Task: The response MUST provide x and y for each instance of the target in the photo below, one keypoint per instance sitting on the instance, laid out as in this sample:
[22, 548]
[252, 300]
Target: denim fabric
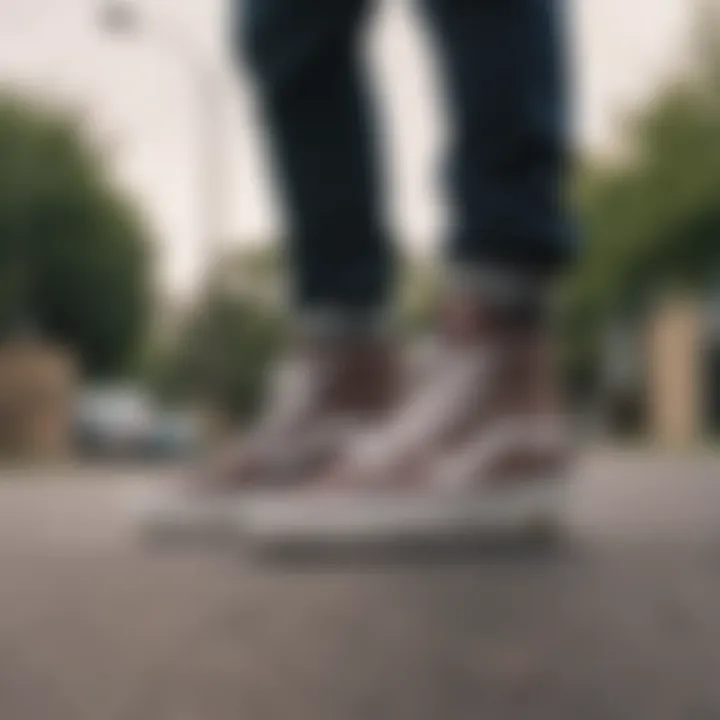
[503, 74]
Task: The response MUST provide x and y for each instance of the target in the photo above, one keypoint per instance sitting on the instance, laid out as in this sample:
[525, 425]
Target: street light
[124, 18]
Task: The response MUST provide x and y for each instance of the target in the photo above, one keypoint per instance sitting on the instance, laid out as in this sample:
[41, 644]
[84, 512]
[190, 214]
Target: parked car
[124, 422]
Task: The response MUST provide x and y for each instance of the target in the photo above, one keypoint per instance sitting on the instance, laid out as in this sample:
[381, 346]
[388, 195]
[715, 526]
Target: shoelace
[453, 388]
[468, 465]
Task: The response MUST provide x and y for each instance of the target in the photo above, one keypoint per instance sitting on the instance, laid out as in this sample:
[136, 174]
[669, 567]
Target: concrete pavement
[624, 624]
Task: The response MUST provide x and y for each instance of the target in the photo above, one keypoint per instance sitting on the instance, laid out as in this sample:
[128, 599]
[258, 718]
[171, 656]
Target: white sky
[139, 101]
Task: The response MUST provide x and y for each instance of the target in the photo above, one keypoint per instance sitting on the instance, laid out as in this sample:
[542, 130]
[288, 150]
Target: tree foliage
[74, 258]
[220, 354]
[652, 221]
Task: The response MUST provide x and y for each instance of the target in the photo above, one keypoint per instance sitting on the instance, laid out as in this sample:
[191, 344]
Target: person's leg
[338, 371]
[305, 56]
[491, 408]
[482, 430]
[504, 76]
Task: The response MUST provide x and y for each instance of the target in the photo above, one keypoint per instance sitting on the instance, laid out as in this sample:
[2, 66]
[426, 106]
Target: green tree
[652, 221]
[224, 342]
[74, 256]
[220, 354]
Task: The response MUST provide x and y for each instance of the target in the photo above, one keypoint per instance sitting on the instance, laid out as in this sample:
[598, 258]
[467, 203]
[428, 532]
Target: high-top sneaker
[479, 446]
[323, 392]
[329, 387]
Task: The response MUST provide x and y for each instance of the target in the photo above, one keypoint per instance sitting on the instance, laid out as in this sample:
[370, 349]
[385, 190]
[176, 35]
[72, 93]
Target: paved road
[625, 623]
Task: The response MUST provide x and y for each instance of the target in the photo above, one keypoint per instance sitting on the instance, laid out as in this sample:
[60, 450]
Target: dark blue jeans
[503, 71]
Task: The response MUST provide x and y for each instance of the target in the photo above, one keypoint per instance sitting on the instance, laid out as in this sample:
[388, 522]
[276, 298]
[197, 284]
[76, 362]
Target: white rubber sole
[293, 519]
[168, 515]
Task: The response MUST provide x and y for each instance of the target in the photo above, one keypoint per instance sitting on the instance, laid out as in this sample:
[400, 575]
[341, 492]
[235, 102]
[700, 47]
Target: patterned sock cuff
[339, 323]
[524, 295]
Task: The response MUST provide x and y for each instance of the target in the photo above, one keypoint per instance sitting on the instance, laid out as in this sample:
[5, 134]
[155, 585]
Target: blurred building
[661, 371]
[37, 391]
